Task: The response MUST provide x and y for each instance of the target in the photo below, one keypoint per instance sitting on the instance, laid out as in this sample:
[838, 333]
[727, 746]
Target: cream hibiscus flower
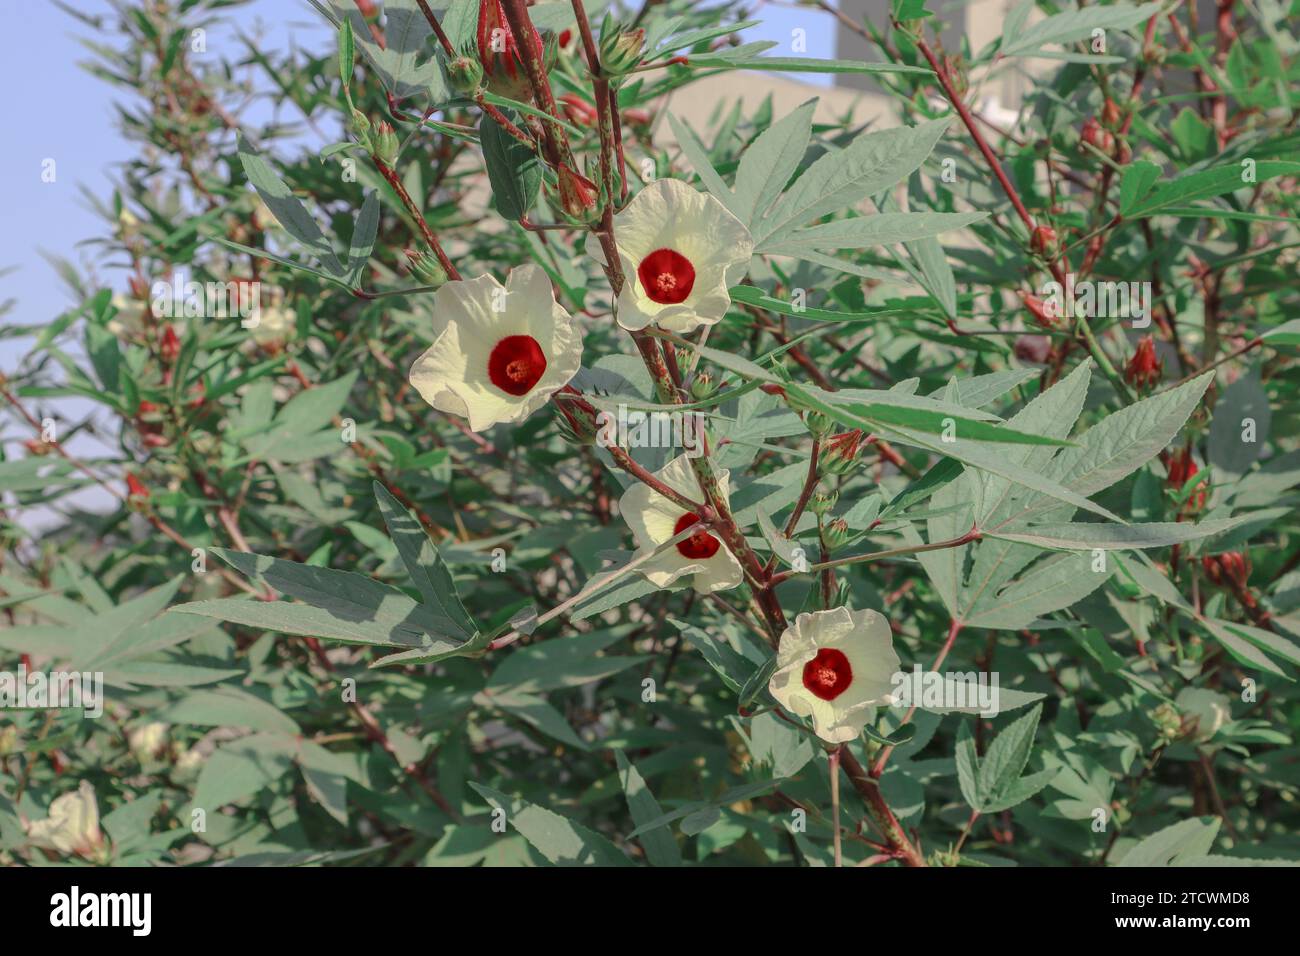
[835, 666]
[148, 741]
[501, 351]
[72, 826]
[655, 519]
[1205, 710]
[680, 250]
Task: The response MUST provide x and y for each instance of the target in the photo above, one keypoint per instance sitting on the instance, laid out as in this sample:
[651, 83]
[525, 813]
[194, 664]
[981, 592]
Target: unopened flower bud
[620, 51]
[578, 196]
[1097, 136]
[1111, 114]
[360, 126]
[498, 51]
[818, 423]
[576, 425]
[822, 502]
[1230, 570]
[836, 534]
[1168, 722]
[384, 143]
[425, 267]
[840, 456]
[169, 348]
[1044, 241]
[703, 387]
[1182, 469]
[465, 74]
[1143, 369]
[137, 493]
[1043, 313]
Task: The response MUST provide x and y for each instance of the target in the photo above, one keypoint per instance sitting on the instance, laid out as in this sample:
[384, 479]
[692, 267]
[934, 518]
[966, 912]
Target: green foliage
[336, 626]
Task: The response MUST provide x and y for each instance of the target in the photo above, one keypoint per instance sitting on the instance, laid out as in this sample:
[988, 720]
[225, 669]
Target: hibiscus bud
[1230, 570]
[169, 349]
[1111, 114]
[149, 423]
[1094, 135]
[577, 110]
[703, 387]
[1143, 369]
[1033, 348]
[498, 51]
[620, 51]
[818, 423]
[37, 447]
[578, 196]
[636, 117]
[384, 144]
[136, 491]
[836, 534]
[565, 37]
[1182, 469]
[426, 268]
[823, 501]
[465, 73]
[840, 456]
[1043, 313]
[1044, 241]
[1168, 722]
[576, 426]
[360, 126]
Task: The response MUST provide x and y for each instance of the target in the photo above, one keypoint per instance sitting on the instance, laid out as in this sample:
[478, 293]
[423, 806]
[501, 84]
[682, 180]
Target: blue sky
[55, 110]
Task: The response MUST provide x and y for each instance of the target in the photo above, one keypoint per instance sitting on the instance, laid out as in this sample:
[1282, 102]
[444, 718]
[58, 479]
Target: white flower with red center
[655, 519]
[835, 667]
[501, 352]
[72, 828]
[681, 250]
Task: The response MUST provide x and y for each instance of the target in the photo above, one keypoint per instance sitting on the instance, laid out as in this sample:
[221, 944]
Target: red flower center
[516, 364]
[667, 276]
[828, 674]
[698, 546]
